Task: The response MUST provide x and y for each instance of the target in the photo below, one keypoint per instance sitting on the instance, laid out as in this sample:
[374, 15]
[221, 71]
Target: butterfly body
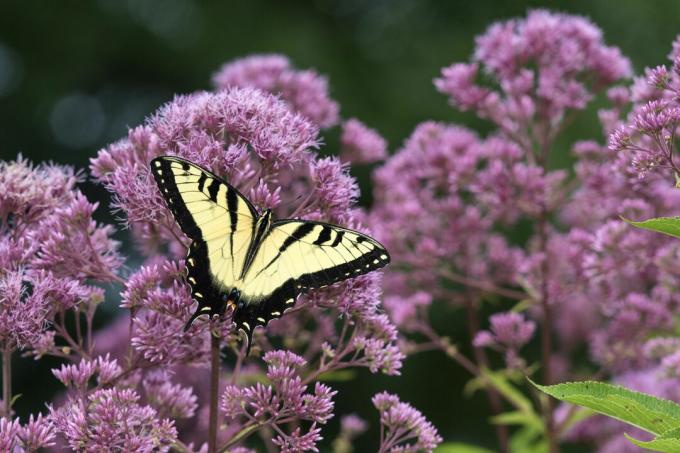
[248, 262]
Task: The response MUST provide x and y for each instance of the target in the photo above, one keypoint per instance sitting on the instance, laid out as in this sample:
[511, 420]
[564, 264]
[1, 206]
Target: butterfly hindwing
[219, 221]
[298, 255]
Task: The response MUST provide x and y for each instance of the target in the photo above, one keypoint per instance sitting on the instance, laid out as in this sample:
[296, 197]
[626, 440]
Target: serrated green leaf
[666, 225]
[457, 447]
[647, 412]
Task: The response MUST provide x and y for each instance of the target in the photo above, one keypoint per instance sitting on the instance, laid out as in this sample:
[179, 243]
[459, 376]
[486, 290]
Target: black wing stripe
[338, 238]
[324, 235]
[184, 218]
[201, 181]
[232, 206]
[301, 231]
[213, 188]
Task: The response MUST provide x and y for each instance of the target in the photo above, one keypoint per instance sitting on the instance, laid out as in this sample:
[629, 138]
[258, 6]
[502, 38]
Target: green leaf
[456, 447]
[666, 225]
[510, 392]
[518, 418]
[644, 411]
[14, 399]
[668, 442]
[528, 440]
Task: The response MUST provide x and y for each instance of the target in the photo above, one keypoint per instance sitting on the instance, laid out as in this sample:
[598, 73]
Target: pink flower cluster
[304, 91]
[451, 206]
[403, 428]
[474, 224]
[648, 133]
[541, 65]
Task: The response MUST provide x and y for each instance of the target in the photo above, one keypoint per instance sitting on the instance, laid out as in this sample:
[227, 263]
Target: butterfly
[247, 261]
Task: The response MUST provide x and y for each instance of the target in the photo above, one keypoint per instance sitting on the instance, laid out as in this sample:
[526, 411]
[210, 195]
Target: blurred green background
[74, 75]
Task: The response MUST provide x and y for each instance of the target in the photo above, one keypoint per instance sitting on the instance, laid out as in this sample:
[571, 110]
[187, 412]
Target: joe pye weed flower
[477, 225]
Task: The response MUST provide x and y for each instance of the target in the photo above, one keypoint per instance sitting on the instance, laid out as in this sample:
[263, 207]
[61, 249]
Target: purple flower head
[21, 318]
[200, 127]
[9, 434]
[404, 428]
[353, 425]
[376, 342]
[509, 332]
[113, 419]
[647, 135]
[37, 433]
[659, 77]
[361, 144]
[436, 202]
[297, 441]
[74, 245]
[561, 50]
[305, 91]
[511, 329]
[170, 400]
[79, 375]
[286, 398]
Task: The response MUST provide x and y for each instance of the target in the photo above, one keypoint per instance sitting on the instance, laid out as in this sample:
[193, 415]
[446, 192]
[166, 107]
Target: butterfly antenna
[291, 202]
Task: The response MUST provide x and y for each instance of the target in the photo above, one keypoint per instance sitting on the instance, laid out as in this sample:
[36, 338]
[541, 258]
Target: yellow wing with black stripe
[297, 255]
[218, 219]
[239, 257]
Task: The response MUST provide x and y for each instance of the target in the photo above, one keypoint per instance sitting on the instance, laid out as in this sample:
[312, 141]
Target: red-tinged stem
[546, 336]
[214, 390]
[7, 382]
[546, 331]
[484, 286]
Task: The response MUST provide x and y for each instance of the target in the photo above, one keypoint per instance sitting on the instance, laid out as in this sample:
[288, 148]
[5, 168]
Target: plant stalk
[214, 390]
[546, 336]
[7, 382]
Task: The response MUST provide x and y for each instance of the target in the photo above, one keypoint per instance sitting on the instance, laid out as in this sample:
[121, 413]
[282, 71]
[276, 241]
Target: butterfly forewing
[219, 220]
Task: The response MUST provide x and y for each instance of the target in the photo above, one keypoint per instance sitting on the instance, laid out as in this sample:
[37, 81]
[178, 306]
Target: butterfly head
[264, 221]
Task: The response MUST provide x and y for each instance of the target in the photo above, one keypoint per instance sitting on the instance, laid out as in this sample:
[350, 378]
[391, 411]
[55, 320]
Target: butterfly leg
[217, 307]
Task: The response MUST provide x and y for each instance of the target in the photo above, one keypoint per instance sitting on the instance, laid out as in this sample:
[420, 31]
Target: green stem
[245, 432]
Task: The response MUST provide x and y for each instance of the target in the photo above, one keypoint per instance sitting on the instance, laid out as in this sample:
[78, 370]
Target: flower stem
[7, 382]
[546, 338]
[214, 390]
[245, 432]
